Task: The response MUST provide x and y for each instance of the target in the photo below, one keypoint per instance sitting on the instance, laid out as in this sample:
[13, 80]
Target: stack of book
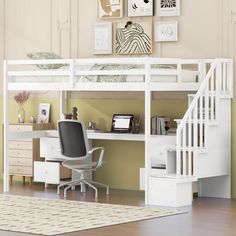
[160, 125]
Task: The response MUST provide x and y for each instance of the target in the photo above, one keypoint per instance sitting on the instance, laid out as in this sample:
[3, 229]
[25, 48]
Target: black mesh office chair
[76, 151]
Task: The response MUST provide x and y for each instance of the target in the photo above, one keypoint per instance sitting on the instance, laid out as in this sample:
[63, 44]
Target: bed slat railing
[20, 73]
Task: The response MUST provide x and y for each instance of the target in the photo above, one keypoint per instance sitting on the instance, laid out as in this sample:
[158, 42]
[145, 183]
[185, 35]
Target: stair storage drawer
[20, 145]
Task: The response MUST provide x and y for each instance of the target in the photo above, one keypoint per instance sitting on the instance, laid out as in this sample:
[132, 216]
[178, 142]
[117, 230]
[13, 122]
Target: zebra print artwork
[133, 38]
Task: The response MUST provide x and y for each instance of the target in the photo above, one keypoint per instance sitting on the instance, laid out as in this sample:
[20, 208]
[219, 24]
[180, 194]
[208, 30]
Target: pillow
[110, 78]
[45, 55]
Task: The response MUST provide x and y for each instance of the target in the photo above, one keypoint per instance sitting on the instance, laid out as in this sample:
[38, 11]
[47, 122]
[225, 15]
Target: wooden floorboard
[207, 216]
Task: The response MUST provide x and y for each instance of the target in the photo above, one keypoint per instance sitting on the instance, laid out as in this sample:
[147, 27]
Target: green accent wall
[123, 159]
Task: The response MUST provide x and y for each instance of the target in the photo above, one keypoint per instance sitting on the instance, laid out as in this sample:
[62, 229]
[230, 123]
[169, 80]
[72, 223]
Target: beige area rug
[52, 217]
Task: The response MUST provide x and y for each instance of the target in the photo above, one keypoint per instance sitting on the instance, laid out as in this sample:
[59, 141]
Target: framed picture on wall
[140, 8]
[44, 112]
[110, 9]
[102, 38]
[169, 7]
[166, 31]
[133, 37]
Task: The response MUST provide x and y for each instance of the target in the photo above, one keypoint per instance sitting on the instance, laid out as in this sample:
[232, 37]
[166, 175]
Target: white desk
[48, 171]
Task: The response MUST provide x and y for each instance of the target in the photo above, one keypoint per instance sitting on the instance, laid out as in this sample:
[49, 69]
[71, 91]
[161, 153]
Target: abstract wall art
[110, 9]
[102, 38]
[133, 37]
[166, 31]
[169, 7]
[140, 8]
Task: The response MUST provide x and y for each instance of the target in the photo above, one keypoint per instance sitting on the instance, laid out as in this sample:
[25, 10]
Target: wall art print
[102, 38]
[166, 31]
[169, 7]
[140, 8]
[110, 9]
[133, 37]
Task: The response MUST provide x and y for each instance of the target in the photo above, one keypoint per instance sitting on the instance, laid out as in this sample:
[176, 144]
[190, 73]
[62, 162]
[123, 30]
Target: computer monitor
[122, 123]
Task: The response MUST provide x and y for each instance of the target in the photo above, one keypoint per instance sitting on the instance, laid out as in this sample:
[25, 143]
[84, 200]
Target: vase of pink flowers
[21, 98]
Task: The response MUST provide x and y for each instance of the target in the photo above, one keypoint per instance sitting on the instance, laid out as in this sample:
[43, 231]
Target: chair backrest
[73, 139]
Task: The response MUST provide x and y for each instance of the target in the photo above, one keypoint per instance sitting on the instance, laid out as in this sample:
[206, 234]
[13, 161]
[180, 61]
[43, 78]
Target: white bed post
[5, 130]
[62, 105]
[147, 126]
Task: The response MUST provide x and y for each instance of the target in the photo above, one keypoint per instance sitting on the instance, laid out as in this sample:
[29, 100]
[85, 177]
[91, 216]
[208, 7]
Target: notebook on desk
[122, 123]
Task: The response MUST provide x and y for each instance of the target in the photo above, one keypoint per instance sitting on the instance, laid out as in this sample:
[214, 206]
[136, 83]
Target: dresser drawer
[20, 145]
[20, 170]
[20, 153]
[13, 128]
[20, 161]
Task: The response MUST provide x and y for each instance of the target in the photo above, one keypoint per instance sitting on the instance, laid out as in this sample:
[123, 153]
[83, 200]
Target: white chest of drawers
[23, 153]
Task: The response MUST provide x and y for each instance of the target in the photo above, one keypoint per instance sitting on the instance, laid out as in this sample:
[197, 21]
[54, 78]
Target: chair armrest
[100, 160]
[95, 149]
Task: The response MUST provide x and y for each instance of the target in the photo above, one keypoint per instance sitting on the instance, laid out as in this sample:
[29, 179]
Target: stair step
[210, 122]
[221, 95]
[172, 148]
[210, 93]
[181, 179]
[198, 149]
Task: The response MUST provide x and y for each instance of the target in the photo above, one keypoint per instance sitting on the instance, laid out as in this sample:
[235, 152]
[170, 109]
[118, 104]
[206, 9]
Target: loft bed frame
[132, 74]
[154, 72]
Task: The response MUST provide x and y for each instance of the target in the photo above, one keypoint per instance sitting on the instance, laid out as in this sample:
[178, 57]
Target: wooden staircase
[202, 148]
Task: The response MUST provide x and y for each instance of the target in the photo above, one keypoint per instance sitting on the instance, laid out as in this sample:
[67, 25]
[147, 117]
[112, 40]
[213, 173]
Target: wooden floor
[208, 216]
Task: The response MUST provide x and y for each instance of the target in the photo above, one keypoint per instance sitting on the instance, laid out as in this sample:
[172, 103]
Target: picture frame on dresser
[168, 7]
[44, 113]
[108, 9]
[138, 8]
[133, 37]
[101, 38]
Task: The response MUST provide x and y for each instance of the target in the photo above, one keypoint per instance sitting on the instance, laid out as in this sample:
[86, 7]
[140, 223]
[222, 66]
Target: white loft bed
[120, 74]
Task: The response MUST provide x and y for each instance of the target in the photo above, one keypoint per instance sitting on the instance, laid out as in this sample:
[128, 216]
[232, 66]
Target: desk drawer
[50, 148]
[20, 162]
[20, 153]
[13, 128]
[21, 170]
[20, 145]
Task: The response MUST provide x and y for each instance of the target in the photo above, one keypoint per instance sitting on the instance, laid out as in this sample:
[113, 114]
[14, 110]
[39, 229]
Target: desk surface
[105, 135]
[91, 135]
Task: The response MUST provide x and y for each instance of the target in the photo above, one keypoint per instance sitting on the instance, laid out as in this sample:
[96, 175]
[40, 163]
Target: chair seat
[82, 165]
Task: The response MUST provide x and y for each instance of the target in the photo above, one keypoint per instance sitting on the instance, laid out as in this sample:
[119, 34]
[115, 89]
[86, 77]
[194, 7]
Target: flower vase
[21, 114]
